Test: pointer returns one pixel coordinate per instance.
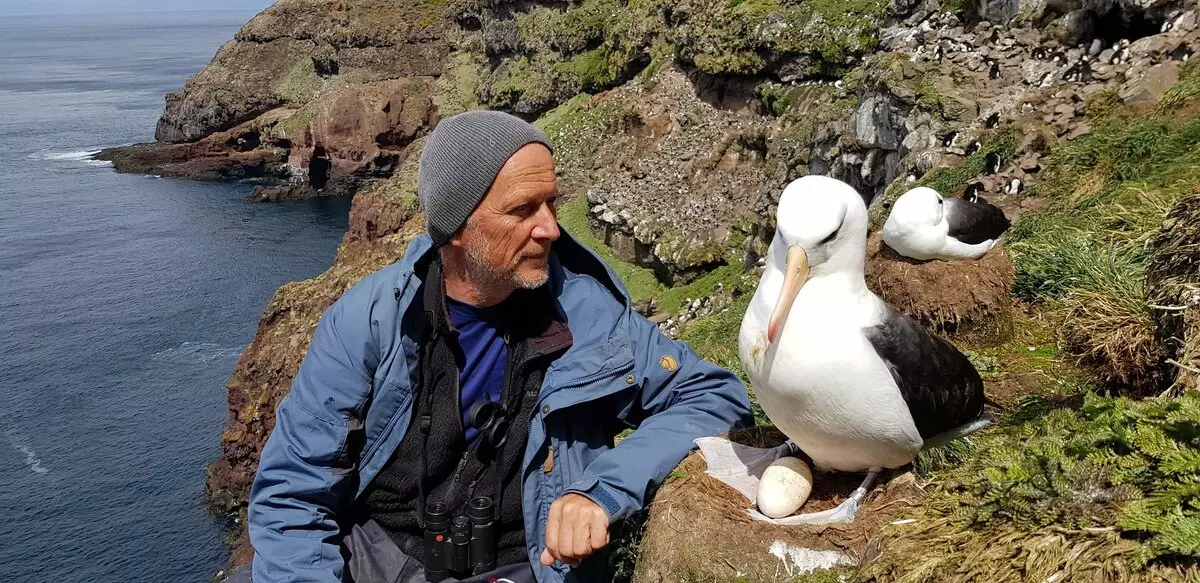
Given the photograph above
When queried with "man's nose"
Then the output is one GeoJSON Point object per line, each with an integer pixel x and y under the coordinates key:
{"type": "Point", "coordinates": [547, 224]}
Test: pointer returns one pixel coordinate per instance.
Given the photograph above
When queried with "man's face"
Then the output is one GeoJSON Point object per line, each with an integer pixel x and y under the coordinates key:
{"type": "Point", "coordinates": [507, 239]}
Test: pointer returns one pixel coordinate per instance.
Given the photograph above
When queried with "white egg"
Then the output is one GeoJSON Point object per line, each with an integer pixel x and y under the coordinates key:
{"type": "Point", "coordinates": [785, 487]}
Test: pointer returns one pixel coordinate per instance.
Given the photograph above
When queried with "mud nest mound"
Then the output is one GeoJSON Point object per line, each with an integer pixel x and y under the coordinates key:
{"type": "Point", "coordinates": [698, 528]}
{"type": "Point", "coordinates": [969, 300]}
{"type": "Point", "coordinates": [1173, 289]}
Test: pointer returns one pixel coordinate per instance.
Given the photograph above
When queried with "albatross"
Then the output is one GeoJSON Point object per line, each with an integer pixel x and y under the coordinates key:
{"type": "Point", "coordinates": [924, 225]}
{"type": "Point", "coordinates": [854, 384]}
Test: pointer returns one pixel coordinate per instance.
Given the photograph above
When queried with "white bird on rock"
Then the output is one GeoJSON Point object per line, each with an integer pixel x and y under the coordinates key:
{"type": "Point", "coordinates": [853, 383]}
{"type": "Point", "coordinates": [924, 225]}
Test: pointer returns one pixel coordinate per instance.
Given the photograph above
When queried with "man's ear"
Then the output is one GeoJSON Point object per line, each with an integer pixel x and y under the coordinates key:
{"type": "Point", "coordinates": [457, 240]}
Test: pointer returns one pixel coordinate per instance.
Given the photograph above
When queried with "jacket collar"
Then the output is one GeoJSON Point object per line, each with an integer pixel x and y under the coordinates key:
{"type": "Point", "coordinates": [600, 347]}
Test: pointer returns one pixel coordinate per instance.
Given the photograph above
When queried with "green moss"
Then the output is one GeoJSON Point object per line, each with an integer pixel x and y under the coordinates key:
{"type": "Point", "coordinates": [591, 69]}
{"type": "Point", "coordinates": [580, 127]}
{"type": "Point", "coordinates": [458, 87]}
{"type": "Point", "coordinates": [299, 84]}
{"type": "Point", "coordinates": [732, 37]}
{"type": "Point", "coordinates": [524, 84]}
{"type": "Point", "coordinates": [659, 55]}
{"type": "Point", "coordinates": [293, 127]}
{"type": "Point", "coordinates": [565, 31]}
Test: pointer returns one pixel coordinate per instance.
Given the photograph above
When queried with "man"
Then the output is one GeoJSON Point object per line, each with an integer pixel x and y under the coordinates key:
{"type": "Point", "coordinates": [483, 376]}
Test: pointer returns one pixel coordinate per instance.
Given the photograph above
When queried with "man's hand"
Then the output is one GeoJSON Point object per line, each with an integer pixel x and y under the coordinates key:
{"type": "Point", "coordinates": [576, 528]}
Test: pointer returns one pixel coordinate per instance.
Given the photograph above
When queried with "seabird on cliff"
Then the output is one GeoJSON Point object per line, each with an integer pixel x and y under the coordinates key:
{"type": "Point", "coordinates": [972, 192]}
{"type": "Point", "coordinates": [924, 225]}
{"type": "Point", "coordinates": [854, 384]}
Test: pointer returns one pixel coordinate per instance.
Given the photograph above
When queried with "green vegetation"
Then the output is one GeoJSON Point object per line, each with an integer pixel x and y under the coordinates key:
{"type": "Point", "coordinates": [595, 44]}
{"type": "Point", "coordinates": [1087, 255]}
{"type": "Point", "coordinates": [640, 281]}
{"type": "Point", "coordinates": [580, 126]}
{"type": "Point", "coordinates": [1106, 464]}
{"type": "Point", "coordinates": [299, 84]}
{"type": "Point", "coordinates": [457, 88]}
{"type": "Point", "coordinates": [1185, 90]}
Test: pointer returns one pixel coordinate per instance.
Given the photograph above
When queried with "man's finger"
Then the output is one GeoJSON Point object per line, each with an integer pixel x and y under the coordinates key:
{"type": "Point", "coordinates": [552, 526]}
{"type": "Point", "coordinates": [547, 558]}
{"type": "Point", "coordinates": [580, 545]}
{"type": "Point", "coordinates": [599, 534]}
{"type": "Point", "coordinates": [566, 536]}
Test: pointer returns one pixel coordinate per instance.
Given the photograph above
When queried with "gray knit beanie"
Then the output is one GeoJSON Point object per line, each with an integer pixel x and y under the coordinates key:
{"type": "Point", "coordinates": [461, 159]}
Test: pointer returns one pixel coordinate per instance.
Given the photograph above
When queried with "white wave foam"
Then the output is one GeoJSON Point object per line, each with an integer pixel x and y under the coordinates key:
{"type": "Point", "coordinates": [31, 459]}
{"type": "Point", "coordinates": [73, 156]}
{"type": "Point", "coordinates": [198, 352]}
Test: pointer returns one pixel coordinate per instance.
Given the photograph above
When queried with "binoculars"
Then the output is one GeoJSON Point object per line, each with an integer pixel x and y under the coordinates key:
{"type": "Point", "coordinates": [460, 546]}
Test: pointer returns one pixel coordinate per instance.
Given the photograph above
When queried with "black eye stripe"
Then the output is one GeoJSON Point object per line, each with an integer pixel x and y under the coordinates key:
{"type": "Point", "coordinates": [831, 236]}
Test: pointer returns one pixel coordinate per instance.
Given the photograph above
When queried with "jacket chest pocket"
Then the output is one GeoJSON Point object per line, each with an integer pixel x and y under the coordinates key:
{"type": "Point", "coordinates": [577, 437]}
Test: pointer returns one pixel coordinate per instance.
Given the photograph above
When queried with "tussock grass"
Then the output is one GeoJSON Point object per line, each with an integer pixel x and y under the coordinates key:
{"type": "Point", "coordinates": [1086, 256]}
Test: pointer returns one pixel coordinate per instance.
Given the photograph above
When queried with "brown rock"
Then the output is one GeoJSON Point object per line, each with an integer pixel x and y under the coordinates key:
{"type": "Point", "coordinates": [287, 193]}
{"type": "Point", "coordinates": [361, 131]}
{"type": "Point", "coordinates": [271, 60]}
{"type": "Point", "coordinates": [1152, 84]}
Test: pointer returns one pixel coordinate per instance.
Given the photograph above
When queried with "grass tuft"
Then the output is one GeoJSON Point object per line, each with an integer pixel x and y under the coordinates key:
{"type": "Point", "coordinates": [1087, 254]}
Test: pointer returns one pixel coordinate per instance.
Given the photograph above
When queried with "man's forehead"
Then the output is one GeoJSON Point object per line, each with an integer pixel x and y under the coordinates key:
{"type": "Point", "coordinates": [528, 173]}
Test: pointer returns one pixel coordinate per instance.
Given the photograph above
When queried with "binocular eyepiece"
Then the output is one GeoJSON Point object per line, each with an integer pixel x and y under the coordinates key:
{"type": "Point", "coordinates": [463, 545]}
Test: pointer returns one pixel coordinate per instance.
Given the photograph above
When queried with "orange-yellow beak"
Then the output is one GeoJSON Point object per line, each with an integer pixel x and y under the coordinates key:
{"type": "Point", "coordinates": [794, 277]}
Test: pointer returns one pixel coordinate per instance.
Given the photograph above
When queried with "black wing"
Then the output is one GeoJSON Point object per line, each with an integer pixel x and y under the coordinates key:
{"type": "Point", "coordinates": [974, 222]}
{"type": "Point", "coordinates": [941, 387]}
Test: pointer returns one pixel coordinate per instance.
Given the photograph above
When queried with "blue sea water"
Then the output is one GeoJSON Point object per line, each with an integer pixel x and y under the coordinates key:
{"type": "Point", "coordinates": [125, 301]}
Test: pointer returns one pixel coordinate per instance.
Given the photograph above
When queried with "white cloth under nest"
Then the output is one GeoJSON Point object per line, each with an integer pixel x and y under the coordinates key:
{"type": "Point", "coordinates": [741, 466]}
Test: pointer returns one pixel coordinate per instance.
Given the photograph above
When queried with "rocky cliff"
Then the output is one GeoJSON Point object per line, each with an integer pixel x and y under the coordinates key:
{"type": "Point", "coordinates": [676, 125]}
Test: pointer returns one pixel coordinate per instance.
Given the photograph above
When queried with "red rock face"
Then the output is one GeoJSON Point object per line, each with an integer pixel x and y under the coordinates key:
{"type": "Point", "coordinates": [363, 131]}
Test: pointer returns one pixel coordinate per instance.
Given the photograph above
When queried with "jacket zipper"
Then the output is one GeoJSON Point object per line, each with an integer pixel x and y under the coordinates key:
{"type": "Point", "coordinates": [628, 367]}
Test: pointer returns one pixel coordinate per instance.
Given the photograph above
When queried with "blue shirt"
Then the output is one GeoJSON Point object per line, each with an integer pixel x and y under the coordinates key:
{"type": "Point", "coordinates": [481, 374]}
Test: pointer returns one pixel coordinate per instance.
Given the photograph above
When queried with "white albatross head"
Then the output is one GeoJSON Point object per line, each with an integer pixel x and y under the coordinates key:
{"type": "Point", "coordinates": [820, 230]}
{"type": "Point", "coordinates": [918, 207]}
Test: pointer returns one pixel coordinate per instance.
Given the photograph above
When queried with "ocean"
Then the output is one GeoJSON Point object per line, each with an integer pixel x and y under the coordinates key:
{"type": "Point", "coordinates": [125, 301]}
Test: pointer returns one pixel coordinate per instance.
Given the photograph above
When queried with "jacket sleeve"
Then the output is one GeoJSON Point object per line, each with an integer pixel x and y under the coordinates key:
{"type": "Point", "coordinates": [695, 399]}
{"type": "Point", "coordinates": [304, 472]}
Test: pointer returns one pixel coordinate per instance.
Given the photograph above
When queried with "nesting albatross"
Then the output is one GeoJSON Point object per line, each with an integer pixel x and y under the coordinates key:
{"type": "Point", "coordinates": [854, 384]}
{"type": "Point", "coordinates": [924, 225]}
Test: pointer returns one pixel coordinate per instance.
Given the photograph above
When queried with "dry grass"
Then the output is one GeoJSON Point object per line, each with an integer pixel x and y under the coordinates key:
{"type": "Point", "coordinates": [1114, 336]}
{"type": "Point", "coordinates": [938, 551]}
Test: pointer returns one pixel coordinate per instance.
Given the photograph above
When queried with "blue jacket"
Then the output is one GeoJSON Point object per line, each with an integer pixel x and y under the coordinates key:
{"type": "Point", "coordinates": [357, 375]}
